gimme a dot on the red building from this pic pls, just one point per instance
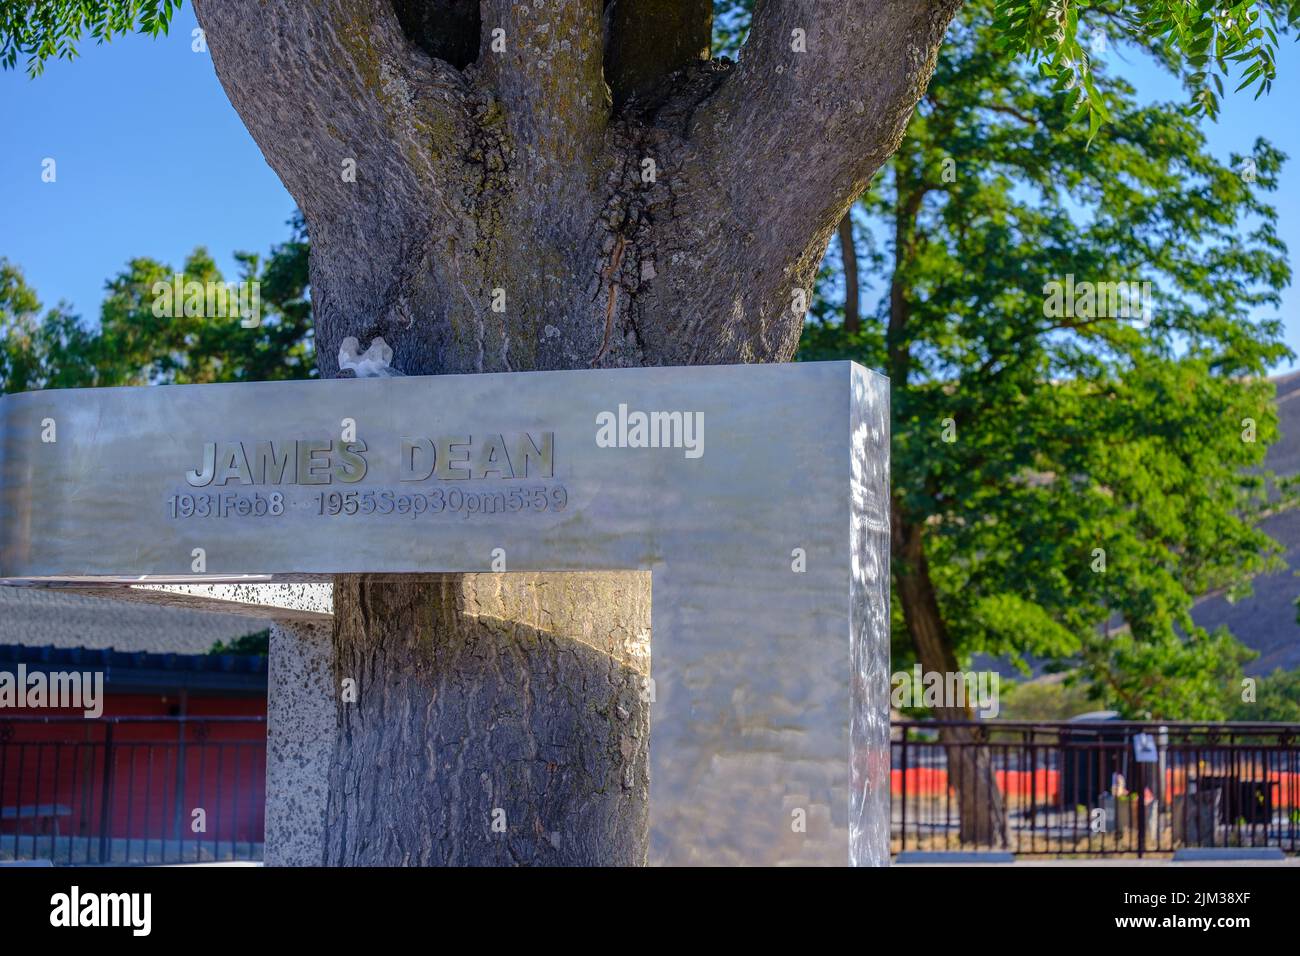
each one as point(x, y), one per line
point(174, 768)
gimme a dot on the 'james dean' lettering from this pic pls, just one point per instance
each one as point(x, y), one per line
point(458, 456)
point(324, 461)
point(308, 462)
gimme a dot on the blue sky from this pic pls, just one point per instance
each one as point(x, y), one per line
point(152, 161)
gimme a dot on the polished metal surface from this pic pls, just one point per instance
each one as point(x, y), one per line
point(756, 495)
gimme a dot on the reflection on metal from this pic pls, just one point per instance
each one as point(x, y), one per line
point(756, 495)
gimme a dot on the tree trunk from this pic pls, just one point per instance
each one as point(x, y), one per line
point(503, 186)
point(849, 256)
point(970, 767)
point(499, 719)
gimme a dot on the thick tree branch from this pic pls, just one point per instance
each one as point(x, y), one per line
point(775, 150)
point(375, 140)
point(799, 134)
point(323, 83)
point(542, 59)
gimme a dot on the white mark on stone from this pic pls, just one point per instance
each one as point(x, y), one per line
point(374, 362)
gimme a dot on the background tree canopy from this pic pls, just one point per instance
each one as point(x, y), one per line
point(131, 345)
point(1206, 41)
point(1065, 488)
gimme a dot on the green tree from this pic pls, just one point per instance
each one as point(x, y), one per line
point(50, 350)
point(1050, 697)
point(1066, 485)
point(1276, 698)
point(146, 338)
point(193, 345)
point(257, 643)
point(1066, 481)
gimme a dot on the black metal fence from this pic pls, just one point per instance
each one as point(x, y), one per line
point(132, 789)
point(171, 790)
point(1094, 788)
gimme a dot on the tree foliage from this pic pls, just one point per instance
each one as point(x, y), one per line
point(1206, 41)
point(136, 343)
point(50, 350)
point(1276, 698)
point(1079, 480)
point(51, 29)
point(256, 644)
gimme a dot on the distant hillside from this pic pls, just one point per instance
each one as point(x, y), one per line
point(1266, 621)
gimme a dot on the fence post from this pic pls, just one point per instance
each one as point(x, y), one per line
point(106, 794)
point(902, 792)
point(1139, 798)
point(179, 811)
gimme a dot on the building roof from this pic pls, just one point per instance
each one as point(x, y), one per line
point(43, 617)
point(141, 672)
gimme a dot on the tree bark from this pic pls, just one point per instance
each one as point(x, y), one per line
point(586, 191)
point(499, 719)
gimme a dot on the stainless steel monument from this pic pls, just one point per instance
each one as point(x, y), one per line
point(756, 497)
